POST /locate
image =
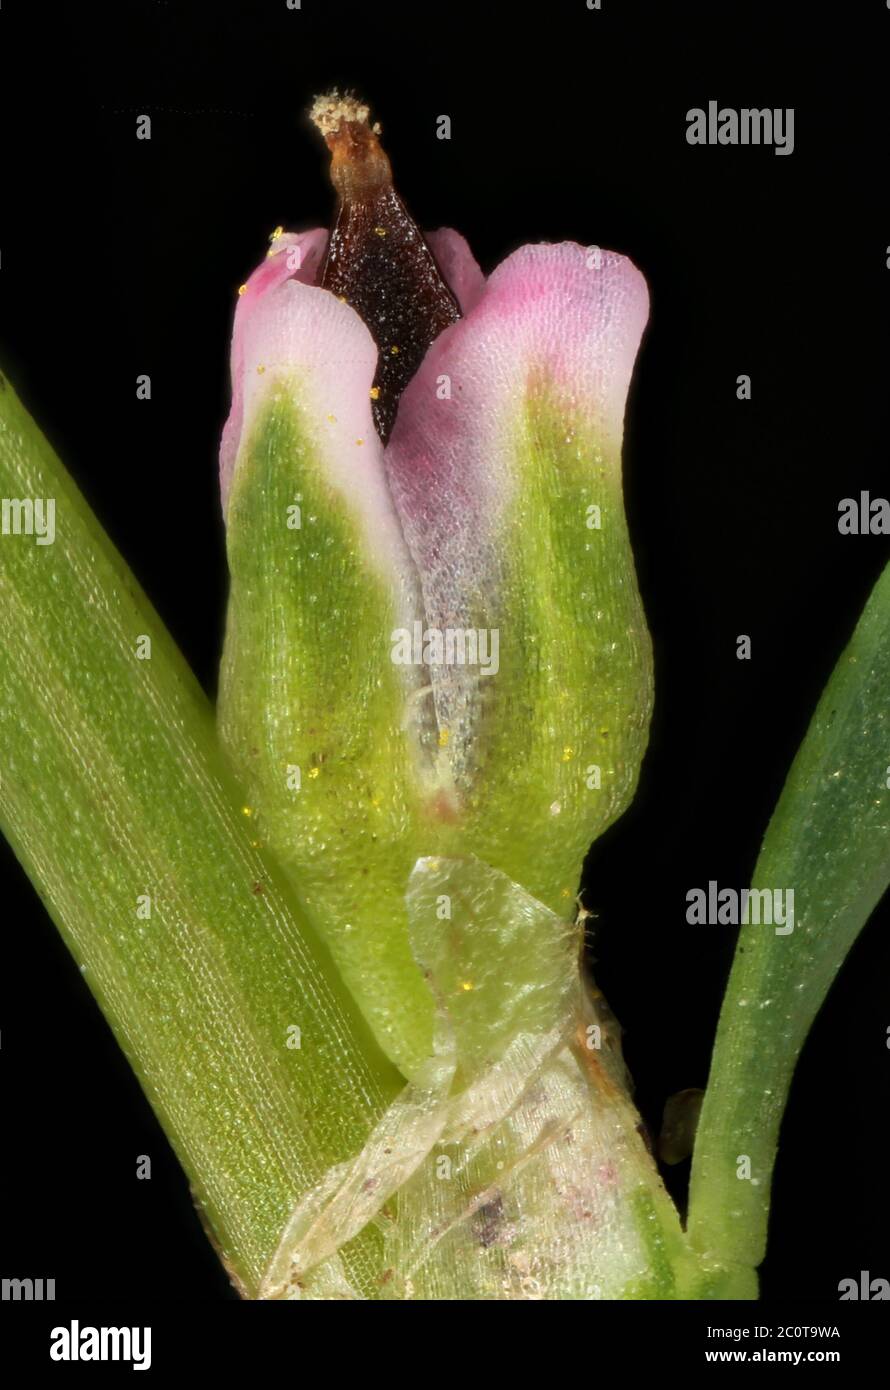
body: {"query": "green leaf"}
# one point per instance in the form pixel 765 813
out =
pixel 114 794
pixel 829 841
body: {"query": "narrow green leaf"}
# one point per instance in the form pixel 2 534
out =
pixel 829 841
pixel 117 802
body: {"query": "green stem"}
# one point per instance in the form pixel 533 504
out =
pixel 120 808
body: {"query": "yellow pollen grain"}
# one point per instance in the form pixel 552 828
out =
pixel 394 351
pixel 566 893
pixel 466 984
pixel 444 735
pixel 342 298
pixel 374 392
pixel 380 231
pixel 359 441
pixel 241 289
pixel 568 754
pixel 246 811
pixel 260 370
pixel 333 419
pixel 279 231
pixel 314 771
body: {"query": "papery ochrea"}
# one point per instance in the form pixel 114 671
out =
pixel 414 448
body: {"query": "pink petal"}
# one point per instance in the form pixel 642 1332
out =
pixel 279 265
pixel 559 317
pixel 294 338
pixel 546 312
pixel 458 266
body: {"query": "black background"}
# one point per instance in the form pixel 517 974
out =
pixel 122 256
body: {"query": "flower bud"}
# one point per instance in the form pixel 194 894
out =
pixel 435 640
